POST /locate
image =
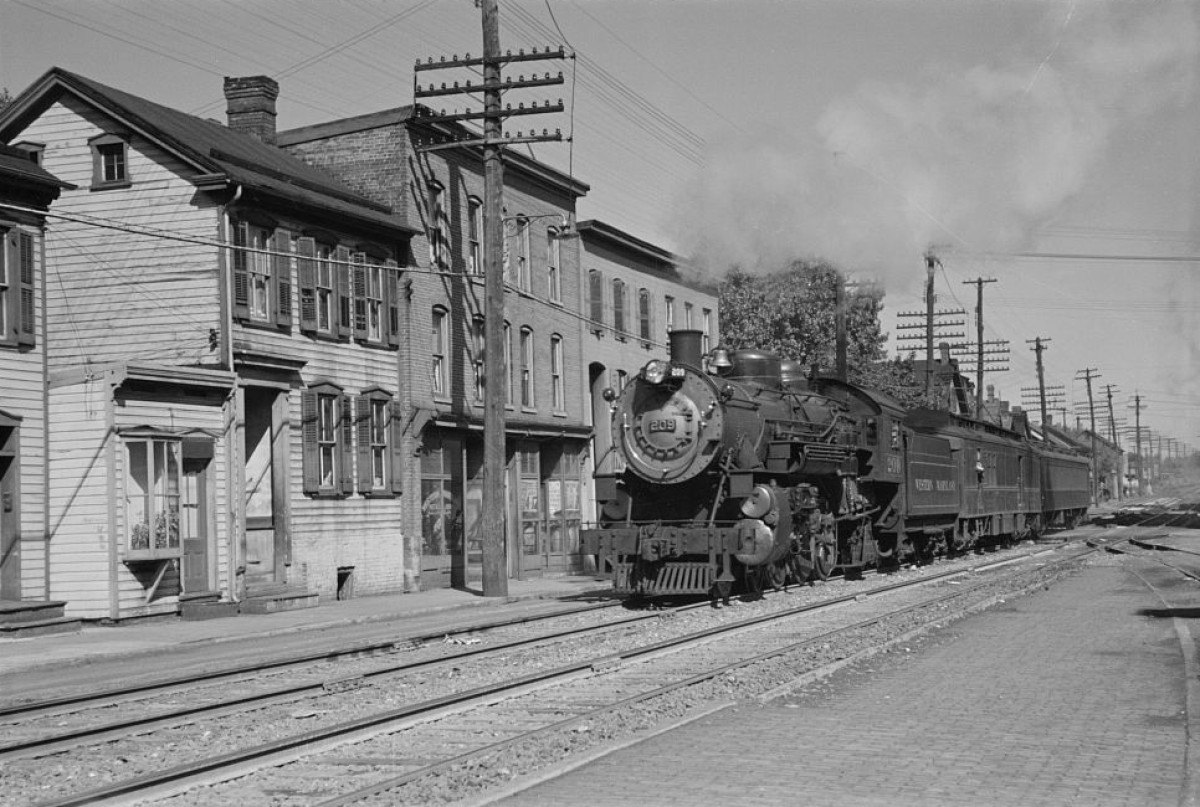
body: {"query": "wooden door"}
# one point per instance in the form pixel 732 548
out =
pixel 194 516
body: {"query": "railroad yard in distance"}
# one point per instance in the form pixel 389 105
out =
pixel 1056 671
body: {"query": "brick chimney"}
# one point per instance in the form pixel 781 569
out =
pixel 251 106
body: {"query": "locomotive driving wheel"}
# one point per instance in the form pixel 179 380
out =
pixel 822 549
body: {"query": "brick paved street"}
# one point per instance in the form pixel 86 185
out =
pixel 1068 696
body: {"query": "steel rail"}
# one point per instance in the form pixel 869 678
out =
pixel 116 695
pixel 239 762
pixel 51 744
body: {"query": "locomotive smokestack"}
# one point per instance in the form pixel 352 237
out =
pixel 685 347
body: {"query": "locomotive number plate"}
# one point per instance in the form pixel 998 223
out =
pixel 661 425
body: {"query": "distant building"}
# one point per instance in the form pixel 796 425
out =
pixel 635 295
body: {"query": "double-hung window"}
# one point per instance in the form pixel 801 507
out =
pixel 706 327
pixel 17 306
pixel 326 436
pixel 553 265
pixel 325 288
pixel 557 387
pixel 669 313
pixel 258 264
pixel 478 340
pixel 687 316
pixel 110 161
pixel 475 236
pixel 379 466
pixel 527 398
pixel 508 362
pixel 376 287
pixel 439 364
pixel 523 276
pixel 439 229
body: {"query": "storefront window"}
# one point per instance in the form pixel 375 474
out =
pixel 152 486
pixel 435 501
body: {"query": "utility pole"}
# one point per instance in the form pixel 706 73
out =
pixel 839 315
pixel 978 283
pixel 1090 373
pixel 495 556
pixel 1137 432
pixel 931 327
pixel 1112 433
pixel 1039 344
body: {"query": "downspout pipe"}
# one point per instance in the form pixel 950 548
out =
pixel 236 566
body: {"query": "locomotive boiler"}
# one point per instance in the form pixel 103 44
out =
pixel 743 474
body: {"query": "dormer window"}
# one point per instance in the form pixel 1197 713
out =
pixel 110 161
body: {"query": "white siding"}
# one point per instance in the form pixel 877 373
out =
pixel 22 387
pixel 79 500
pixel 116 295
pixel 356 531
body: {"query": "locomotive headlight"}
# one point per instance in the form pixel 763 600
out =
pixel 656 371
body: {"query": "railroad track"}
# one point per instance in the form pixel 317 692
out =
pixel 433 731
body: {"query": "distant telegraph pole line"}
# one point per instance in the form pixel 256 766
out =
pixel 1039 344
pixel 1000 346
pixel 444 135
pixel 1088 374
pixel 1138 406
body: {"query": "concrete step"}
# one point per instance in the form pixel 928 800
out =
pixel 276 601
pixel 14 612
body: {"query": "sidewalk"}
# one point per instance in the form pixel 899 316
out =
pixel 410 611
pixel 1082 694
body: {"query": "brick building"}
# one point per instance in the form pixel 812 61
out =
pixel 548 415
pixel 635 294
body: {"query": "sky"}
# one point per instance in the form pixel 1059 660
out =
pixel 1000 136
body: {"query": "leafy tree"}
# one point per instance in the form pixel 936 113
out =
pixel 792 313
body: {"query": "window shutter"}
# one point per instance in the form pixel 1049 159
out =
pixel 397 455
pixel 359 274
pixel 362 416
pixel 345 295
pixel 391 273
pixel 24 281
pixel 346 447
pixel 241 277
pixel 596 287
pixel 306 270
pixel 281 275
pixel 308 440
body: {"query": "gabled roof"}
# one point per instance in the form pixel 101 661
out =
pixel 15 164
pixel 209 147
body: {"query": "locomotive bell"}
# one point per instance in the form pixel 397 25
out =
pixel 758 503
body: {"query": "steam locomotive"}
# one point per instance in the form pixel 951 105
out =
pixel 753 475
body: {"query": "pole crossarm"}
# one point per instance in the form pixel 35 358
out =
pixel 470 87
pixel 507 58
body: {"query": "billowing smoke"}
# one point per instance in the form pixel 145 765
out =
pixel 975 159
